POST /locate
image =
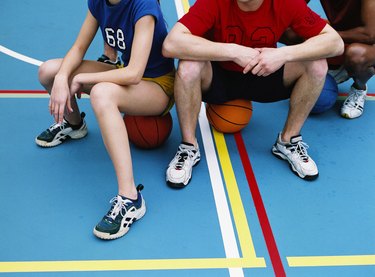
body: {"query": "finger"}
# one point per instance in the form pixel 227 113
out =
pixel 256 69
pixel 249 66
pixel 55 113
pixel 61 113
pixel 69 106
pixel 79 95
pixel 261 72
pixel 50 107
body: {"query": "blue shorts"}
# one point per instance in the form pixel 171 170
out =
pixel 229 85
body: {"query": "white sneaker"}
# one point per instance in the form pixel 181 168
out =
pixel 180 168
pixel 354 104
pixel 340 75
pixel 295 153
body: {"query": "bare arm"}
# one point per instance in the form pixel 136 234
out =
pixel 76 53
pixel 326 44
pixel 133 72
pixel 60 92
pixel 366 33
pixel 181 44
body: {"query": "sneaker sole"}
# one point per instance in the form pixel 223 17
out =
pixel 73 135
pixel 281 156
pixel 345 115
pixel 182 185
pixel 121 233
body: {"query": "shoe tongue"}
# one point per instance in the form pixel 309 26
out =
pixel 295 139
pixel 186 145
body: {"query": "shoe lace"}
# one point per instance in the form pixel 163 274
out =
pixel 300 149
pixel 354 97
pixel 57 126
pixel 119 206
pixel 182 155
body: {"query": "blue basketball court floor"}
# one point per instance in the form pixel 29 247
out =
pixel 243 214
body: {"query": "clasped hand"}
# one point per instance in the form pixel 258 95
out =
pixel 261 61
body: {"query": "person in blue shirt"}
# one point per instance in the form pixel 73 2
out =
pixel 143 85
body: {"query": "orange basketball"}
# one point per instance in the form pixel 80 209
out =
pixel 229 117
pixel 148 131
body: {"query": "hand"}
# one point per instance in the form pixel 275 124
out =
pixel 75 87
pixel 246 56
pixel 270 60
pixel 59 99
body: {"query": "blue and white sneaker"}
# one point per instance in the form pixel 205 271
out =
pixel 123 213
pixel 105 59
pixel 58 133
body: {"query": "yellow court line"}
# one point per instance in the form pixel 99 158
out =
pixel 354 260
pixel 186 5
pixel 238 211
pixel 112 265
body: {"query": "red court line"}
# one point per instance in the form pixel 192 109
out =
pixel 346 94
pixel 259 206
pixel 44 92
pixel 23 91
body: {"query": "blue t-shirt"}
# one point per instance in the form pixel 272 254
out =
pixel 117 23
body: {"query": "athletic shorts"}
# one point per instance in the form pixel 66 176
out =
pixel 166 82
pixel 229 85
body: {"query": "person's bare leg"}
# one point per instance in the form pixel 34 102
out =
pixel 108 100
pixel 191 79
pixel 307 80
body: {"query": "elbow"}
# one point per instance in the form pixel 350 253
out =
pixel 168 48
pixel 339 46
pixel 135 79
pixel 133 76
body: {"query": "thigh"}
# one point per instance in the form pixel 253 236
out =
pixel 292 71
pixel 146 98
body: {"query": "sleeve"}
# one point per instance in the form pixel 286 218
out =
pixel 201 17
pixel 146 7
pixel 305 22
pixel 93 7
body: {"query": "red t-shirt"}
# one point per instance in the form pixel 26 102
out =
pixel 224 21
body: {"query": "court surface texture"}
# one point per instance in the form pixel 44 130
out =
pixel 243 214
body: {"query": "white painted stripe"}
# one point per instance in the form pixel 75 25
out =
pixel 19 56
pixel 222 207
pixel 179 8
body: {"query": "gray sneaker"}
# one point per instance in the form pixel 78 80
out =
pixel 180 168
pixel 353 105
pixel 295 152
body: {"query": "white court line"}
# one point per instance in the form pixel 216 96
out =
pixel 19 56
pixel 179 8
pixel 222 207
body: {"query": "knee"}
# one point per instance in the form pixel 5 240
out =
pixel 100 97
pixel 355 54
pixel 189 71
pixel 318 69
pixel 47 72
